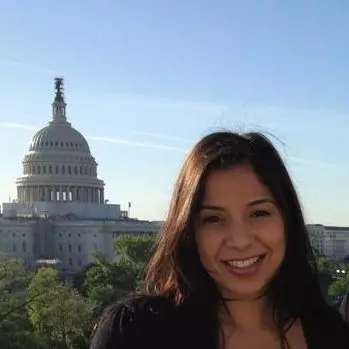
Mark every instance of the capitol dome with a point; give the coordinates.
(59, 165)
(60, 137)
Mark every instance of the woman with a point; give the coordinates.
(233, 267)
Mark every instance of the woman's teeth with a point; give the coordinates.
(244, 262)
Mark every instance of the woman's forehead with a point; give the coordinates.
(239, 183)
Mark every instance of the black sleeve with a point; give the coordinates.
(344, 307)
(110, 329)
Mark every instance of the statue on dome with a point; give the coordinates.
(59, 89)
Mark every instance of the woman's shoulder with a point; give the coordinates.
(132, 322)
(325, 326)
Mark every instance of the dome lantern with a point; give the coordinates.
(59, 105)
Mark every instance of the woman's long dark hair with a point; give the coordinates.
(175, 270)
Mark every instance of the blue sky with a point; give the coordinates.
(145, 79)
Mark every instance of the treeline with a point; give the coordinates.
(40, 311)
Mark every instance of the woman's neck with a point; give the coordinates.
(247, 315)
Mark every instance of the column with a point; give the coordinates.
(60, 194)
(46, 194)
(102, 196)
(31, 194)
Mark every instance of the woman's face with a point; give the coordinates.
(239, 232)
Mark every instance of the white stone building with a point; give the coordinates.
(60, 215)
(330, 241)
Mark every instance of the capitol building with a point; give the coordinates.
(60, 215)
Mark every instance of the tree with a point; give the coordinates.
(15, 328)
(59, 313)
(339, 286)
(107, 281)
(325, 264)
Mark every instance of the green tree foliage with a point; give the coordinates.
(59, 313)
(106, 281)
(15, 328)
(37, 311)
(339, 286)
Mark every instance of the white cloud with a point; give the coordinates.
(11, 125)
(135, 143)
(5, 124)
(164, 137)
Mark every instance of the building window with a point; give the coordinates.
(14, 248)
(24, 246)
(60, 248)
(70, 261)
(80, 263)
(70, 235)
(79, 248)
(69, 169)
(69, 248)
(50, 169)
(13, 235)
(95, 246)
(44, 169)
(63, 170)
(56, 169)
(79, 235)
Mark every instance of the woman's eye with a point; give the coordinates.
(261, 213)
(211, 219)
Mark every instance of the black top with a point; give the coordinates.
(344, 306)
(153, 322)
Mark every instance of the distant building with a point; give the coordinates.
(332, 242)
(61, 216)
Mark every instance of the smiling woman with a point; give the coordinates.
(239, 232)
(233, 266)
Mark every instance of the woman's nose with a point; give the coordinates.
(239, 236)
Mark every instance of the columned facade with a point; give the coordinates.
(60, 194)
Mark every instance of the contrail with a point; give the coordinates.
(11, 125)
(99, 138)
(169, 138)
(135, 143)
(18, 126)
